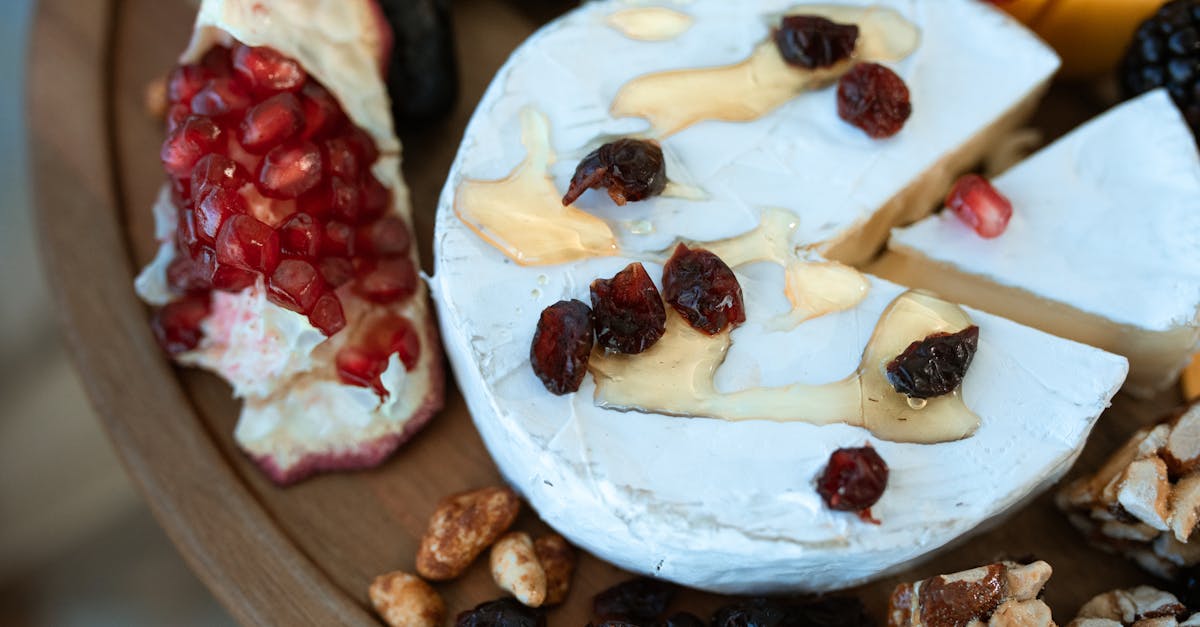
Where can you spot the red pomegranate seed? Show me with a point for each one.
(315, 202)
(231, 279)
(699, 286)
(980, 206)
(186, 81)
(338, 240)
(341, 158)
(187, 274)
(388, 281)
(327, 314)
(216, 171)
(562, 346)
(176, 115)
(853, 481)
(295, 284)
(300, 236)
(246, 243)
(187, 235)
(363, 145)
(221, 97)
(361, 367)
(177, 325)
(322, 113)
(345, 199)
(377, 199)
(270, 122)
(266, 70)
(337, 271)
(217, 60)
(290, 170)
(385, 237)
(217, 206)
(395, 334)
(196, 137)
(875, 99)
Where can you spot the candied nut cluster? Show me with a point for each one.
(462, 526)
(1004, 594)
(1144, 502)
(1137, 607)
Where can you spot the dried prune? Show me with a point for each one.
(641, 599)
(627, 311)
(505, 612)
(935, 365)
(853, 480)
(875, 99)
(683, 619)
(703, 290)
(811, 41)
(561, 345)
(631, 170)
(757, 612)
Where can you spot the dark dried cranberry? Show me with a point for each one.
(831, 612)
(935, 365)
(854, 480)
(627, 311)
(506, 612)
(875, 99)
(703, 290)
(631, 169)
(810, 41)
(757, 612)
(641, 599)
(683, 619)
(562, 345)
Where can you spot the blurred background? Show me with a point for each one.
(77, 544)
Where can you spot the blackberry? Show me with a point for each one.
(1165, 52)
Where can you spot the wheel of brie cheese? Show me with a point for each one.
(698, 458)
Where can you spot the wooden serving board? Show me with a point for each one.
(305, 555)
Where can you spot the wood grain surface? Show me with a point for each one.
(305, 555)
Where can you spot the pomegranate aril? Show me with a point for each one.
(221, 97)
(388, 281)
(315, 202)
(270, 122)
(300, 236)
(290, 170)
(186, 81)
(376, 198)
(703, 290)
(341, 158)
(322, 114)
(176, 115)
(295, 284)
(395, 334)
(337, 271)
(345, 200)
(562, 345)
(185, 274)
(980, 206)
(357, 366)
(196, 137)
(875, 99)
(187, 234)
(853, 480)
(217, 60)
(327, 314)
(338, 240)
(177, 325)
(266, 70)
(385, 237)
(246, 243)
(230, 279)
(363, 146)
(214, 209)
(216, 171)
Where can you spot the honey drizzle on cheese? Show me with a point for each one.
(676, 376)
(674, 100)
(650, 23)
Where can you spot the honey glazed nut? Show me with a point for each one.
(1004, 594)
(404, 600)
(516, 569)
(461, 527)
(1136, 607)
(558, 560)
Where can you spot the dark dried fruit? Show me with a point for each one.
(703, 290)
(1165, 52)
(875, 99)
(562, 345)
(683, 619)
(627, 311)
(506, 612)
(641, 599)
(853, 480)
(758, 612)
(935, 365)
(631, 169)
(1189, 588)
(831, 612)
(811, 41)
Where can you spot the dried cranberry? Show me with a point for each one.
(811, 41)
(875, 99)
(758, 612)
(853, 480)
(562, 345)
(703, 290)
(979, 205)
(177, 325)
(935, 365)
(627, 311)
(631, 169)
(640, 599)
(506, 612)
(683, 619)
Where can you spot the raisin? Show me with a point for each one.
(631, 169)
(703, 290)
(627, 311)
(640, 599)
(505, 612)
(935, 365)
(875, 99)
(562, 345)
(683, 619)
(758, 612)
(810, 41)
(853, 480)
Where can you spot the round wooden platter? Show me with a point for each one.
(306, 554)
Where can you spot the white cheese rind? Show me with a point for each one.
(723, 506)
